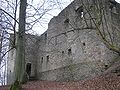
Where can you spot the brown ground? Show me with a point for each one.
(105, 82)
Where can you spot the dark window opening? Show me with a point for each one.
(63, 53)
(69, 51)
(106, 66)
(42, 60)
(83, 44)
(45, 36)
(80, 11)
(48, 58)
(66, 21)
(28, 68)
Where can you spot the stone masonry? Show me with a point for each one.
(70, 49)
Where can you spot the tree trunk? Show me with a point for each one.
(1, 38)
(20, 44)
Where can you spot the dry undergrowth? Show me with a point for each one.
(103, 82)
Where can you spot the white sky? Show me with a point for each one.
(38, 29)
(117, 1)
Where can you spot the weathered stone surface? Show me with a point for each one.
(70, 49)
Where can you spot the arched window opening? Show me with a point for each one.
(79, 11)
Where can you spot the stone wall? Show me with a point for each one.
(74, 45)
(31, 57)
(70, 49)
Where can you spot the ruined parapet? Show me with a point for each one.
(73, 50)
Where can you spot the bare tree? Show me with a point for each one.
(109, 32)
(102, 16)
(9, 22)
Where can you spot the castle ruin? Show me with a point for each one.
(70, 49)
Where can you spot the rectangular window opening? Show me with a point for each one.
(69, 52)
(42, 60)
(47, 58)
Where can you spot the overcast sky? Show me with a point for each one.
(118, 1)
(39, 29)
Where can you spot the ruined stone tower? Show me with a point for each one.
(70, 49)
